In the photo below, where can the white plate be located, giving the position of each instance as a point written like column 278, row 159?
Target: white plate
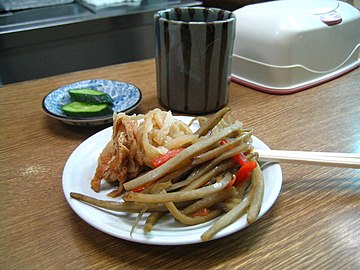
column 79, row 170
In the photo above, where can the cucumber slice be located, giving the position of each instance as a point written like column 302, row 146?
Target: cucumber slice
column 83, row 109
column 90, row 96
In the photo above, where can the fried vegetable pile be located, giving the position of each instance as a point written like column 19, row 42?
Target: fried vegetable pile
column 159, row 165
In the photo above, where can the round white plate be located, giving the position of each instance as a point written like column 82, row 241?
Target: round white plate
column 80, row 168
column 126, row 97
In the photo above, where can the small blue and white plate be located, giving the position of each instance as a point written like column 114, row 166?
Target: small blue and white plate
column 125, row 95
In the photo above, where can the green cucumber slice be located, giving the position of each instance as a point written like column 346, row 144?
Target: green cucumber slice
column 83, row 109
column 90, row 96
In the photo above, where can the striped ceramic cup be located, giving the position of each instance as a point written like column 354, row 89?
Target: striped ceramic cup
column 193, row 58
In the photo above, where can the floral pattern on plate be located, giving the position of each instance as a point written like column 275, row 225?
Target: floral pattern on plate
column 125, row 95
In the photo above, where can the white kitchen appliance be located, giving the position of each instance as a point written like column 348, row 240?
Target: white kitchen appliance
column 285, row 46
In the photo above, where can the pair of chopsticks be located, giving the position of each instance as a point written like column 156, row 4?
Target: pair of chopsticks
column 344, row 160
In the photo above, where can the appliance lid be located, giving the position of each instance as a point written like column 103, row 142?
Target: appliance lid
column 319, row 36
column 304, row 6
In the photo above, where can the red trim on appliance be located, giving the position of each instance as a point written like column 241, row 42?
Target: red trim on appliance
column 291, row 90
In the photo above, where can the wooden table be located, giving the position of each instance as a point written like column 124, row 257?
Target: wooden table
column 314, row 224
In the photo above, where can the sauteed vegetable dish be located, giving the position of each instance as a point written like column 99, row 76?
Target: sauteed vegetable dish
column 160, row 166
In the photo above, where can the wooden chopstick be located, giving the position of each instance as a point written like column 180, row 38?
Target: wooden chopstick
column 316, row 158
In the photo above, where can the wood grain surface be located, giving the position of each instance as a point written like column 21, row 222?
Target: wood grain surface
column 314, row 224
